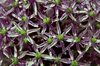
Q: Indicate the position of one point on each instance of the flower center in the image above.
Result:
(93, 40)
(38, 36)
(77, 0)
(25, 40)
(98, 25)
(57, 1)
(24, 3)
(74, 63)
(60, 37)
(14, 60)
(22, 32)
(24, 18)
(15, 3)
(38, 55)
(91, 13)
(69, 9)
(46, 20)
(3, 31)
(77, 39)
(49, 40)
(57, 59)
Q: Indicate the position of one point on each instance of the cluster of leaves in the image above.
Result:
(49, 32)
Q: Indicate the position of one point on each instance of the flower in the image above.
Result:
(38, 55)
(15, 59)
(56, 37)
(4, 31)
(15, 3)
(93, 39)
(57, 59)
(76, 39)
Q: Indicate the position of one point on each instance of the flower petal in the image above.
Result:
(97, 33)
(14, 15)
(30, 53)
(33, 24)
(40, 15)
(47, 57)
(9, 11)
(44, 48)
(66, 61)
(79, 12)
(33, 30)
(42, 44)
(35, 48)
(35, 8)
(30, 63)
(82, 33)
(63, 16)
(58, 28)
(15, 52)
(71, 54)
(12, 35)
(83, 18)
(72, 17)
(30, 40)
(5, 52)
(67, 29)
(41, 63)
(44, 29)
(22, 55)
(98, 41)
(53, 43)
(78, 49)
(57, 13)
(74, 30)
(80, 56)
(96, 49)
